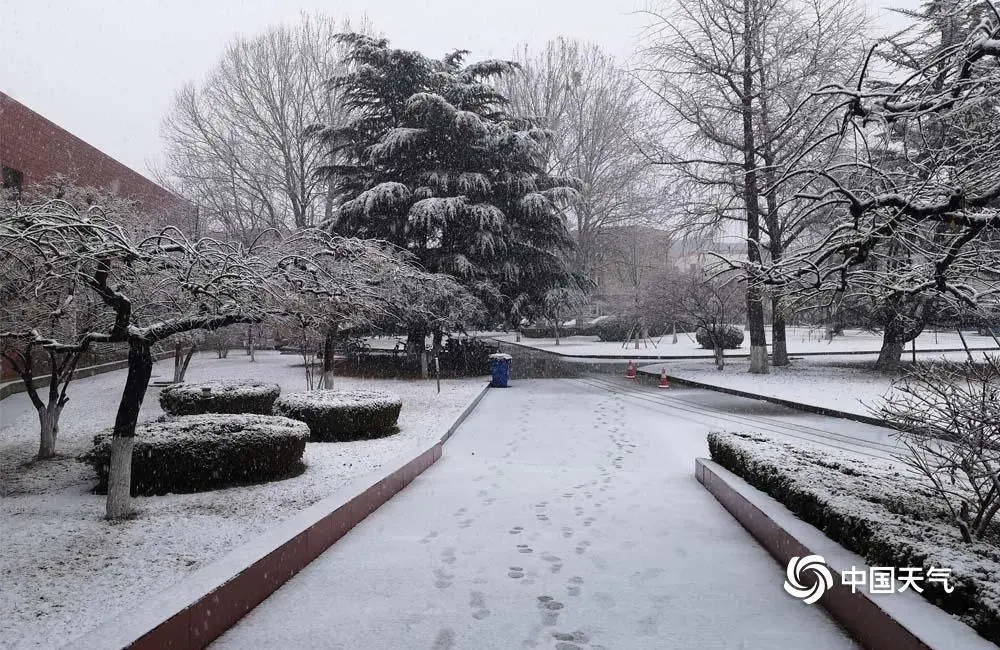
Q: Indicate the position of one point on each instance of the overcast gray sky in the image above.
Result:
(106, 70)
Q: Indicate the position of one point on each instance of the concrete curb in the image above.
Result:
(729, 354)
(651, 376)
(17, 386)
(901, 621)
(466, 413)
(203, 605)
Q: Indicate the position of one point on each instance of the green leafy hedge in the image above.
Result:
(193, 453)
(877, 509)
(730, 336)
(220, 397)
(342, 415)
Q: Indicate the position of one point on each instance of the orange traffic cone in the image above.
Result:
(630, 371)
(664, 383)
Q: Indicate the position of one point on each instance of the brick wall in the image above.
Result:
(40, 149)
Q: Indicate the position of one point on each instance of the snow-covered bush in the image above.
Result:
(876, 508)
(204, 452)
(729, 337)
(342, 415)
(614, 329)
(219, 397)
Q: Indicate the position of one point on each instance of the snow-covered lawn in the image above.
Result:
(64, 569)
(841, 383)
(800, 340)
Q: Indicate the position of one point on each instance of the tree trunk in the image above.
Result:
(416, 345)
(557, 332)
(751, 196)
(438, 336)
(891, 353)
(48, 419)
(720, 358)
(251, 348)
(140, 369)
(779, 343)
(182, 360)
(329, 351)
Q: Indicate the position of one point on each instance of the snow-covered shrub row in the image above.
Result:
(730, 336)
(342, 415)
(192, 453)
(877, 509)
(221, 397)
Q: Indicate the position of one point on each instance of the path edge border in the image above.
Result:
(199, 608)
(651, 377)
(902, 621)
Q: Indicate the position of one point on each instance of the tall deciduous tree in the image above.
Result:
(730, 74)
(913, 202)
(601, 119)
(239, 144)
(433, 161)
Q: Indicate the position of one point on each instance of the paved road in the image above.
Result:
(564, 514)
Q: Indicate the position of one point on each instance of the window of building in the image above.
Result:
(11, 178)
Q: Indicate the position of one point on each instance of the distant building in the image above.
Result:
(34, 149)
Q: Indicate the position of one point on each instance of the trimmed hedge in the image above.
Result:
(877, 509)
(731, 337)
(342, 415)
(193, 453)
(243, 397)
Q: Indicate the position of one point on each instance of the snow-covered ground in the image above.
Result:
(800, 340)
(565, 514)
(63, 568)
(841, 383)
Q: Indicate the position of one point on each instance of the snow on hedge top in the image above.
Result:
(501, 356)
(226, 388)
(338, 399)
(190, 427)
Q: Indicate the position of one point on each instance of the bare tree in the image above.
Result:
(597, 113)
(946, 415)
(47, 323)
(912, 200)
(709, 302)
(340, 284)
(240, 145)
(729, 73)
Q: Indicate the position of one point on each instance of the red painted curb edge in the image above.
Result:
(867, 621)
(200, 608)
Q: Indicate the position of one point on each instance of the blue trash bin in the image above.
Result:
(500, 367)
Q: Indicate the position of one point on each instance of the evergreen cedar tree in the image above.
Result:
(434, 162)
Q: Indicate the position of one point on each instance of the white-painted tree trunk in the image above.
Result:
(119, 502)
(48, 420)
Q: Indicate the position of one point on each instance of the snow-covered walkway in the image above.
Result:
(564, 514)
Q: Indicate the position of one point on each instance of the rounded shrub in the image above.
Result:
(730, 336)
(342, 415)
(219, 397)
(613, 329)
(193, 453)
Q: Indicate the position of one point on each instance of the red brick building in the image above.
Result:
(33, 149)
